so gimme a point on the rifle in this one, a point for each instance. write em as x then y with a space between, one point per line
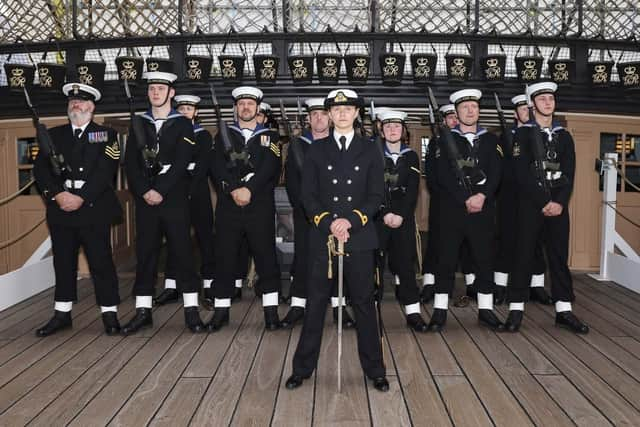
432 121
58 164
294 141
223 129
507 136
538 149
457 162
151 164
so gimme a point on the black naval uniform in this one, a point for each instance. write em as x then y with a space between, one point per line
301 221
531 223
430 258
254 222
93 162
456 224
507 206
174 144
402 178
200 205
341 184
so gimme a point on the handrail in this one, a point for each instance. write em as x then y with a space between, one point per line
21 236
17 193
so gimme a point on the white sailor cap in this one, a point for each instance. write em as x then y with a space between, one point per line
378 111
342 97
159 77
392 116
539 88
265 108
447 109
519 100
247 92
81 91
314 104
465 95
187 100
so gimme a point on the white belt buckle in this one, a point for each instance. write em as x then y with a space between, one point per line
76 184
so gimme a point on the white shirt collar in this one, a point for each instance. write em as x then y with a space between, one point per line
349 136
82 128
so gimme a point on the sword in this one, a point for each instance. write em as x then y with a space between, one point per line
340 296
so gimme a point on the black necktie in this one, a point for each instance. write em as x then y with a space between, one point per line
343 144
77 132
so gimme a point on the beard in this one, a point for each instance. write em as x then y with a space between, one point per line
77 116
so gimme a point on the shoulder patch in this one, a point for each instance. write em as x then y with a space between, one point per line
113 151
275 149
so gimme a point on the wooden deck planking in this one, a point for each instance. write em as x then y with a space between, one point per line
465 376
294 408
540 407
421 393
502 406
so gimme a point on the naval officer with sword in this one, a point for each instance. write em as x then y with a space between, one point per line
342 190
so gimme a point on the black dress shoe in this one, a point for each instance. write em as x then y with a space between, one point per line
438 320
568 320
540 295
167 296
347 320
514 320
488 318
219 319
499 295
237 294
472 292
295 381
192 320
207 300
271 320
381 384
415 322
294 315
428 291
110 322
60 320
142 319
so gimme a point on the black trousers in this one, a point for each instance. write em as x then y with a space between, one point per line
532 224
300 267
478 229
256 224
96 242
430 258
202 223
398 246
507 219
358 275
466 258
243 259
153 222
